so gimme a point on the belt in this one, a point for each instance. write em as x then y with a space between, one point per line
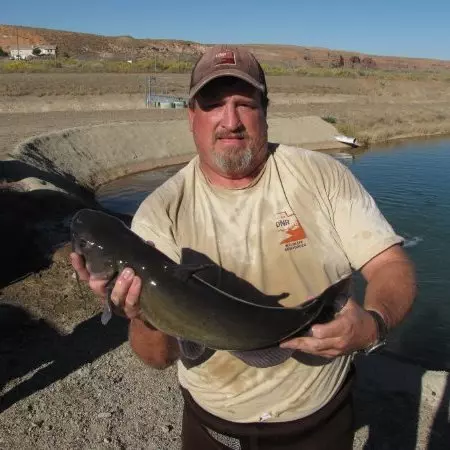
228 441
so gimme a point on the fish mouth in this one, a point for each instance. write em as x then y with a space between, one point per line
76 249
99 268
77 243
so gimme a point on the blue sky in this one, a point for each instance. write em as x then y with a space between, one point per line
414 28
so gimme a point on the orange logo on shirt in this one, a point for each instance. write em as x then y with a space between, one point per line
293 233
296 233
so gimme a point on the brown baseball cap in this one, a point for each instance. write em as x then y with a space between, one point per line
224 60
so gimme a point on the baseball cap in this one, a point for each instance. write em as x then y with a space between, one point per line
224 60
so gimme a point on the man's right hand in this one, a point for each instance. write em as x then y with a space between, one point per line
126 290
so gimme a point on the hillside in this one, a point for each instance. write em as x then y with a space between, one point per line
92 46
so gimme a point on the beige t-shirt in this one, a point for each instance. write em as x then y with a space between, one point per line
303 224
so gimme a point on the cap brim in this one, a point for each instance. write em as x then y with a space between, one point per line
226 73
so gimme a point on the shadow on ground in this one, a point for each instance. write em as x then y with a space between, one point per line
32 225
30 345
30 228
388 401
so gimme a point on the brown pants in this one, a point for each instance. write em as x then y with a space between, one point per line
329 428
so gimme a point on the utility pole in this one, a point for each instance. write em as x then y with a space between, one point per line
17 37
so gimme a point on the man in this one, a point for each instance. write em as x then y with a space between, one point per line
284 220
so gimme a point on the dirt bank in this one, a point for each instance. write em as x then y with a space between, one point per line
375 109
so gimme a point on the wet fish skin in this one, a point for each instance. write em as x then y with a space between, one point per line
177 301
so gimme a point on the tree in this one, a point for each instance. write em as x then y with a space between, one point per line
368 63
338 62
354 60
3 53
36 51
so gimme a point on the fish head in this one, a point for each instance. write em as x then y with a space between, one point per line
94 236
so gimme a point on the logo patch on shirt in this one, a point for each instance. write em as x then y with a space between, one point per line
293 234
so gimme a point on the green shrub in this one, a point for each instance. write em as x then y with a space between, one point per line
330 119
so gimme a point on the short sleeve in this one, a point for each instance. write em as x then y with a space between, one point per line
152 223
362 228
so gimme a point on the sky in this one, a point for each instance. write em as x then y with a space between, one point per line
414 28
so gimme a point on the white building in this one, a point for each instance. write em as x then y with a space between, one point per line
26 51
47 50
21 52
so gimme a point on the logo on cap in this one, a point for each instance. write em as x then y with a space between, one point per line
225 57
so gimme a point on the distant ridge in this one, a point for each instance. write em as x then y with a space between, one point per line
93 46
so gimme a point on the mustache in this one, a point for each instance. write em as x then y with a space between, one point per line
229 135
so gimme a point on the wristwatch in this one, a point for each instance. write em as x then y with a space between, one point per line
382 332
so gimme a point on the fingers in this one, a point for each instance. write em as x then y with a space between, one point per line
121 287
131 307
126 291
337 327
328 348
343 323
77 262
98 286
338 337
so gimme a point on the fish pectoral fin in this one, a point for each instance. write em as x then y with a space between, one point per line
184 271
108 307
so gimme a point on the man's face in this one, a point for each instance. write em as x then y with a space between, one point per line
229 126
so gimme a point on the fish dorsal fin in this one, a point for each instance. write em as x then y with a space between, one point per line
184 271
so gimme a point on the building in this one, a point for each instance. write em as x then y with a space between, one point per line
21 52
26 51
47 50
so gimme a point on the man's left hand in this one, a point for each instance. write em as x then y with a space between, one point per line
352 329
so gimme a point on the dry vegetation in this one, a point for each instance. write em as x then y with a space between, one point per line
76 84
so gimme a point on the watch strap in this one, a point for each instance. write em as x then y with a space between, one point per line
382 332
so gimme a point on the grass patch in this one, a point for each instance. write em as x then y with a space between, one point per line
71 65
351 130
330 119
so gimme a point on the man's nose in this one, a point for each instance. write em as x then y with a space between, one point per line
230 117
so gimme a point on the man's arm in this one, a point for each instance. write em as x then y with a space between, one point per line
391 289
152 346
391 285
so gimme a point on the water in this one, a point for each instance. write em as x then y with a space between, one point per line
411 184
125 194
